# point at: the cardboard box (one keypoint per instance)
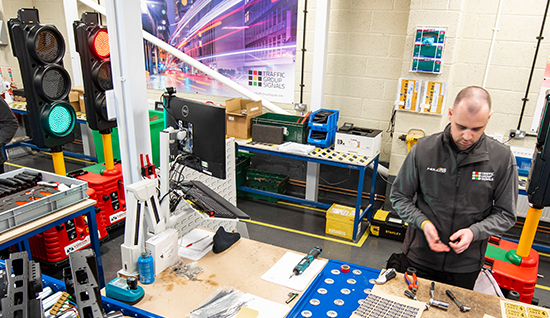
(340, 221)
(389, 225)
(359, 141)
(238, 116)
(73, 99)
(76, 98)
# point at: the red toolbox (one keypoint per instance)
(521, 277)
(52, 246)
(110, 196)
(99, 217)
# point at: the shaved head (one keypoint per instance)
(469, 116)
(474, 98)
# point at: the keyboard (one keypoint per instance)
(211, 203)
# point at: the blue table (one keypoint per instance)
(108, 303)
(326, 156)
(22, 233)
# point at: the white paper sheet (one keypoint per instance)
(198, 249)
(267, 308)
(281, 271)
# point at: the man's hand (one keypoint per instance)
(462, 239)
(432, 237)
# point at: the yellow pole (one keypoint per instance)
(59, 163)
(529, 231)
(108, 151)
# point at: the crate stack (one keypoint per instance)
(322, 127)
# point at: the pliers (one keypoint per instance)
(412, 284)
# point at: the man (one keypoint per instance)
(8, 128)
(455, 189)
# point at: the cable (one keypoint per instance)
(385, 180)
(391, 124)
(339, 182)
(539, 39)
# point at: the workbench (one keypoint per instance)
(326, 156)
(480, 304)
(240, 266)
(22, 233)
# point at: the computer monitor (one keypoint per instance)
(201, 145)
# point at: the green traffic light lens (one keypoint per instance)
(60, 119)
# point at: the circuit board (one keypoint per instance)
(337, 291)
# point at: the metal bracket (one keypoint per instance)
(23, 284)
(85, 281)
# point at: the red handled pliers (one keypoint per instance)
(413, 284)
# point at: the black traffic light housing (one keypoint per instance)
(92, 43)
(538, 182)
(40, 49)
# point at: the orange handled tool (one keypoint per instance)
(412, 283)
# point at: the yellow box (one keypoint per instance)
(340, 221)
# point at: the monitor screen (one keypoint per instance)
(201, 142)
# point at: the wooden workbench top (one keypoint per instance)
(241, 267)
(479, 303)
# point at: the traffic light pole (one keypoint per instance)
(59, 163)
(108, 152)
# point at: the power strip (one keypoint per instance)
(522, 152)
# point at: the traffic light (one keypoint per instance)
(92, 43)
(40, 49)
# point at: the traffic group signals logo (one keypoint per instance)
(255, 78)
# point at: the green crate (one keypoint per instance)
(267, 181)
(242, 163)
(295, 125)
(155, 126)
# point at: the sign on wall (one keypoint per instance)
(251, 42)
(428, 50)
(407, 95)
(425, 97)
(433, 97)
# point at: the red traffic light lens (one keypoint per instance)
(100, 44)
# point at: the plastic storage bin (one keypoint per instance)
(321, 139)
(267, 181)
(155, 126)
(296, 126)
(324, 119)
(242, 163)
(13, 217)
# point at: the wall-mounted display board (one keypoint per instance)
(407, 95)
(428, 50)
(432, 100)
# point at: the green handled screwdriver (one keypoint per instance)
(304, 263)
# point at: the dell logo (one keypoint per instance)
(185, 111)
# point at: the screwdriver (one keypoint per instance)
(453, 297)
(306, 261)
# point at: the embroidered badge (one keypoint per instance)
(483, 176)
(440, 170)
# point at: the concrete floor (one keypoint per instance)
(283, 225)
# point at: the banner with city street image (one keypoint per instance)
(252, 42)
